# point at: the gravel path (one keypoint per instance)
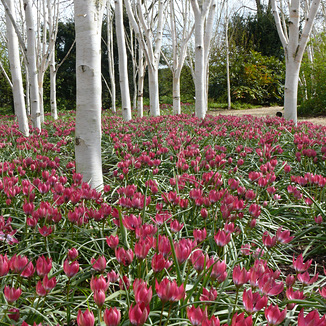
(263, 112)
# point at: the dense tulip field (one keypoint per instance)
(200, 222)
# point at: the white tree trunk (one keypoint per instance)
(53, 88)
(149, 30)
(291, 89)
(53, 14)
(16, 73)
(88, 21)
(228, 84)
(181, 31)
(123, 66)
(140, 86)
(154, 101)
(176, 95)
(111, 58)
(200, 89)
(32, 70)
(200, 12)
(294, 44)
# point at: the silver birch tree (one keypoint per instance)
(181, 29)
(147, 22)
(16, 73)
(201, 9)
(88, 22)
(111, 57)
(294, 42)
(123, 65)
(31, 65)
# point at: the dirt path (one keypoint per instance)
(263, 112)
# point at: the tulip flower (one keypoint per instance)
(269, 241)
(169, 290)
(222, 238)
(142, 248)
(99, 264)
(268, 286)
(240, 320)
(112, 317)
(200, 235)
(142, 293)
(198, 260)
(99, 283)
(208, 295)
(312, 319)
(182, 250)
(299, 266)
(283, 236)
(218, 270)
(293, 295)
(18, 263)
(138, 314)
(159, 263)
(112, 241)
(70, 269)
(274, 316)
(28, 271)
(12, 294)
(240, 276)
(175, 226)
(4, 265)
(196, 316)
(124, 257)
(253, 302)
(86, 318)
(322, 292)
(164, 246)
(72, 254)
(13, 314)
(99, 297)
(214, 321)
(43, 266)
(112, 276)
(49, 284)
(305, 278)
(45, 231)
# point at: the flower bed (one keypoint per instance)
(213, 222)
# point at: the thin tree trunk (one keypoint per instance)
(201, 105)
(291, 89)
(294, 41)
(111, 59)
(16, 73)
(153, 91)
(32, 70)
(228, 84)
(88, 21)
(176, 95)
(123, 68)
(140, 88)
(53, 88)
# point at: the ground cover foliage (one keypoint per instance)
(200, 222)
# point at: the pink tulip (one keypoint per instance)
(112, 317)
(99, 264)
(274, 316)
(86, 318)
(169, 290)
(311, 319)
(12, 294)
(196, 316)
(43, 266)
(71, 269)
(138, 314)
